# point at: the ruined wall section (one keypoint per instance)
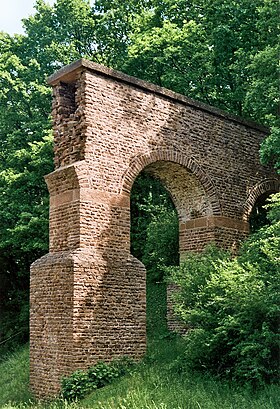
(69, 122)
(88, 294)
(127, 121)
(110, 121)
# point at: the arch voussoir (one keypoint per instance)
(142, 160)
(265, 186)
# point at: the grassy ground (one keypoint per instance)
(153, 385)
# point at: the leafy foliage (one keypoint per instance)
(270, 149)
(259, 214)
(218, 51)
(25, 152)
(231, 307)
(156, 310)
(154, 226)
(161, 248)
(80, 383)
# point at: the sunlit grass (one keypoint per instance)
(155, 386)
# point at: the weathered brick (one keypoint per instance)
(88, 294)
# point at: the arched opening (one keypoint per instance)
(152, 209)
(165, 196)
(255, 211)
(258, 217)
(155, 242)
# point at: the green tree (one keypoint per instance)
(54, 36)
(221, 52)
(154, 226)
(161, 248)
(202, 48)
(60, 34)
(231, 307)
(25, 152)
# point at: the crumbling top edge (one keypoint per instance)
(69, 73)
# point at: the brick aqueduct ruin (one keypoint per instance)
(88, 293)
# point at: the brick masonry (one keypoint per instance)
(88, 294)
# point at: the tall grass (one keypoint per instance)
(156, 386)
(153, 385)
(14, 377)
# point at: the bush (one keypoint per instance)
(80, 383)
(231, 307)
(76, 386)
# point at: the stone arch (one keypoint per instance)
(265, 186)
(140, 162)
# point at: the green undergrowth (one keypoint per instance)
(153, 384)
(14, 377)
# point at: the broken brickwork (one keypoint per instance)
(88, 294)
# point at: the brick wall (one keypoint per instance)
(88, 293)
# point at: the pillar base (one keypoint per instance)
(84, 307)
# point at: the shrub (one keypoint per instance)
(231, 307)
(80, 383)
(76, 386)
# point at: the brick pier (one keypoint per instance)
(88, 294)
